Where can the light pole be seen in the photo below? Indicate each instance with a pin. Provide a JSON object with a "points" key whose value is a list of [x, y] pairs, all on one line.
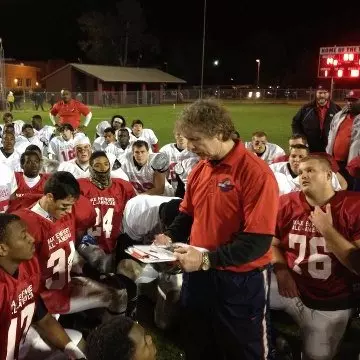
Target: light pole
{"points": [[258, 73], [203, 53]]}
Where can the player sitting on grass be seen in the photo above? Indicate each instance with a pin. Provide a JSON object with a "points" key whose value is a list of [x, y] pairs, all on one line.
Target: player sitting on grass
{"points": [[20, 304], [315, 231]]}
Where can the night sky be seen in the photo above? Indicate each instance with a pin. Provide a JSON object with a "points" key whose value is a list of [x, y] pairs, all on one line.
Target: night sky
{"points": [[286, 38]]}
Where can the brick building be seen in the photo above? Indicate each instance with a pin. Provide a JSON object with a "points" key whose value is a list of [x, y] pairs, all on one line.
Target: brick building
{"points": [[21, 76]]}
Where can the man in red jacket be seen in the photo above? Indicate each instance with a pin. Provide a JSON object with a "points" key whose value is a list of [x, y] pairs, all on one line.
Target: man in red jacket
{"points": [[69, 111]]}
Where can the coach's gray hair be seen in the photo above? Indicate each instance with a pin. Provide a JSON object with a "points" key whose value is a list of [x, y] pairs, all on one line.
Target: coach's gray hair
{"points": [[206, 116]]}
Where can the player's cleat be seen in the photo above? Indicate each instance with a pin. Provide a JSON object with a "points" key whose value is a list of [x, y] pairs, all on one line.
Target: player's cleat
{"points": [[160, 162]]}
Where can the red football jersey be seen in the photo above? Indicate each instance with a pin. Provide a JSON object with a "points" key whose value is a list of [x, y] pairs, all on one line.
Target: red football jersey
{"points": [[109, 205], [18, 296], [85, 214], [24, 202], [55, 250], [323, 282], [24, 189], [26, 196]]}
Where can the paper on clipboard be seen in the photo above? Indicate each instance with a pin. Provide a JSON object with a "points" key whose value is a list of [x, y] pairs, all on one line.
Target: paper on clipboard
{"points": [[152, 254]]}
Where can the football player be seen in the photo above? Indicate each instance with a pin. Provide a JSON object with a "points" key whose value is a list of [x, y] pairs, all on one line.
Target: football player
{"points": [[20, 304], [30, 181], [9, 120], [79, 166], [314, 285], [62, 148], [291, 169], [262, 148], [27, 138], [123, 145], [43, 132], [8, 155], [54, 226], [156, 212], [8, 186], [298, 139], [176, 152], [48, 166], [99, 131], [146, 172], [139, 133], [109, 197]]}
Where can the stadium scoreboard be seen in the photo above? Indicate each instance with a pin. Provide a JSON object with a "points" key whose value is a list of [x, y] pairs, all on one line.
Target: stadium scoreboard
{"points": [[339, 62]]}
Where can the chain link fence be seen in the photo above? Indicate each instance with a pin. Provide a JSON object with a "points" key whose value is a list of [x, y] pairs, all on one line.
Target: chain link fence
{"points": [[42, 100]]}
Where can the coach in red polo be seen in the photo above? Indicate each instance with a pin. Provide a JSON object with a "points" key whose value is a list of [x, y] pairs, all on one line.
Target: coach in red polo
{"points": [[229, 208], [69, 111]]}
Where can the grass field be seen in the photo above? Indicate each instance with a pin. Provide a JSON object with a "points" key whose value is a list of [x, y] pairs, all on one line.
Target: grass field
{"points": [[274, 119]]}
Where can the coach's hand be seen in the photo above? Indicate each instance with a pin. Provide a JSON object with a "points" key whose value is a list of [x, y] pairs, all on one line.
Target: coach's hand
{"points": [[162, 239], [286, 284], [189, 258]]}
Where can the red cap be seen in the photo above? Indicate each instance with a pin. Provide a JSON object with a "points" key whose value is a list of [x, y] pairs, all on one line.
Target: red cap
{"points": [[353, 94]]}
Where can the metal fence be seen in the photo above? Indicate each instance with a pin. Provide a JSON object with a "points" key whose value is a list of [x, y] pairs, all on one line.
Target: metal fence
{"points": [[27, 100]]}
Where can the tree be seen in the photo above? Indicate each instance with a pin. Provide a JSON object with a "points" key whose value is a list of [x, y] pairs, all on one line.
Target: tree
{"points": [[118, 37]]}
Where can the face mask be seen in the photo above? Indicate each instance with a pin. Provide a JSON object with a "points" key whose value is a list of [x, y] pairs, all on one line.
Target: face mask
{"points": [[100, 179]]}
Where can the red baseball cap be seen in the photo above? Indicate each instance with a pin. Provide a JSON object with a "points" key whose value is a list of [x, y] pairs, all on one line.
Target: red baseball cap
{"points": [[353, 94]]}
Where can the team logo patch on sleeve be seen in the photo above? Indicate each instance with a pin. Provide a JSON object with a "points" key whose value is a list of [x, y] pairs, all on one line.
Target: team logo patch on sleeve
{"points": [[226, 185]]}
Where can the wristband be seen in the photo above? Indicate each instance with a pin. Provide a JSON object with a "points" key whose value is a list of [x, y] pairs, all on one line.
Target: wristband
{"points": [[73, 352]]}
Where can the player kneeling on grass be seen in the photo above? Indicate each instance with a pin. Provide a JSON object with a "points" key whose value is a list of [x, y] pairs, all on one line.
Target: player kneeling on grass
{"points": [[316, 229], [146, 172], [20, 304], [157, 213], [121, 338]]}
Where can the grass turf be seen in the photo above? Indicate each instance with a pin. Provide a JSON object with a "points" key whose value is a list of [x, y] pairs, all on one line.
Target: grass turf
{"points": [[274, 119]]}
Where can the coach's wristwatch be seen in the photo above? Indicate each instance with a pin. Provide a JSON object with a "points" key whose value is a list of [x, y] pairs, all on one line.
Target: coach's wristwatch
{"points": [[205, 265]]}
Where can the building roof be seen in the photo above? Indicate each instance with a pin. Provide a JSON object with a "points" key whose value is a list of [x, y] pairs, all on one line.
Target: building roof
{"points": [[123, 74]]}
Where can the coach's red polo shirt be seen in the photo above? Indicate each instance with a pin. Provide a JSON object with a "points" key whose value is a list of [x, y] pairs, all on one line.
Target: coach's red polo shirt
{"points": [[71, 112], [238, 194]]}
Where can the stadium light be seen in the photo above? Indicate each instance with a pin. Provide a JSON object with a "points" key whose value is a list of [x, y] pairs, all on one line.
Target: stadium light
{"points": [[258, 73]]}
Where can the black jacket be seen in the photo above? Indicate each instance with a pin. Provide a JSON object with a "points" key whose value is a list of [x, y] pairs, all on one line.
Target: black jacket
{"points": [[306, 122]]}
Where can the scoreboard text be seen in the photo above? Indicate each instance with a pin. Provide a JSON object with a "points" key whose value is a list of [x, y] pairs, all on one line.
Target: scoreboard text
{"points": [[339, 62]]}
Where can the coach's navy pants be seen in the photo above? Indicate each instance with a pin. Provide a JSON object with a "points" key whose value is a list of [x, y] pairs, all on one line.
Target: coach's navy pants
{"points": [[225, 315]]}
